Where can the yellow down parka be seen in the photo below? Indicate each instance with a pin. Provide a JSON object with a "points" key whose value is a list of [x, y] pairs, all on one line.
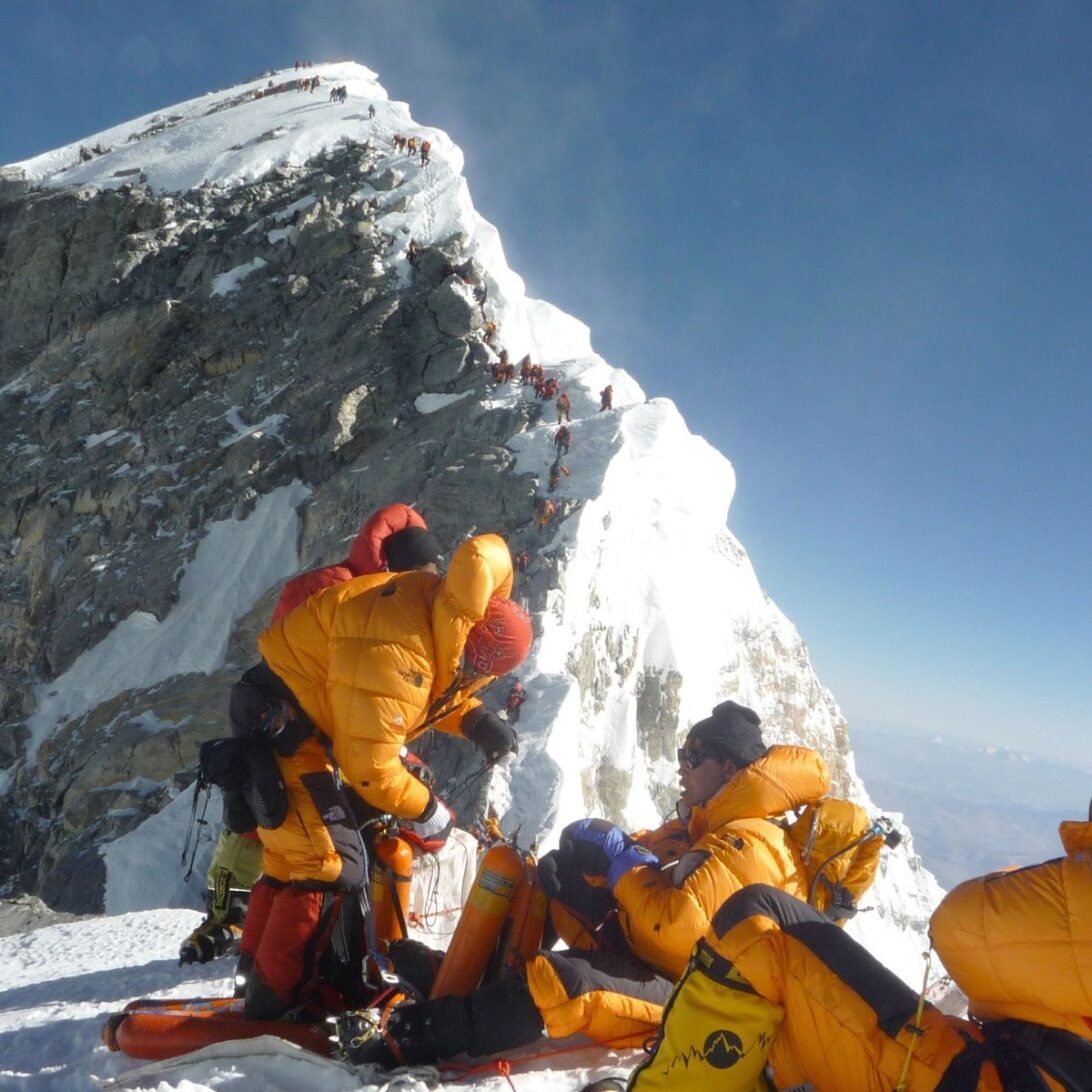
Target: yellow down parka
{"points": [[733, 842], [1019, 943], [374, 666]]}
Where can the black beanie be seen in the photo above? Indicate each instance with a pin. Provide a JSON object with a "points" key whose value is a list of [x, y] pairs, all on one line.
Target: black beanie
{"points": [[410, 547], [731, 731]]}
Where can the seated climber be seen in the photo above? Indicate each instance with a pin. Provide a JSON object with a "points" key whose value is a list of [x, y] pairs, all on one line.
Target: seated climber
{"points": [[629, 921], [774, 981]]}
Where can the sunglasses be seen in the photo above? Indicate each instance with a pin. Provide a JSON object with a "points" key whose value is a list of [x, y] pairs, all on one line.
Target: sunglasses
{"points": [[691, 758]]}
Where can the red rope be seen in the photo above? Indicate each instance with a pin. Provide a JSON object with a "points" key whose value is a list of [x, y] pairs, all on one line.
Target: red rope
{"points": [[416, 920], [504, 1067], [500, 1066]]}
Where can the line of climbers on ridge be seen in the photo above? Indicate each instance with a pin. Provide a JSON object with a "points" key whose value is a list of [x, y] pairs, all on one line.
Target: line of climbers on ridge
{"points": [[410, 146], [714, 937], [546, 388]]}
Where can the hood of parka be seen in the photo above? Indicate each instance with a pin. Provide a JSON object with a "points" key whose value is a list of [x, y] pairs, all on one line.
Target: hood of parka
{"points": [[785, 777]]}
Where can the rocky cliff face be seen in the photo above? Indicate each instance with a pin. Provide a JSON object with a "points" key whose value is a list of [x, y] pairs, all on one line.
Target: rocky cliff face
{"points": [[141, 401], [177, 366]]}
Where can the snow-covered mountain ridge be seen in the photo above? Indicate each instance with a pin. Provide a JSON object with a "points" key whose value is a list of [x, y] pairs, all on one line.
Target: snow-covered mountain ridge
{"points": [[256, 335]]}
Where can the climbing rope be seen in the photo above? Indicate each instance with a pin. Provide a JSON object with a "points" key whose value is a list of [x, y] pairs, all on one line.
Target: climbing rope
{"points": [[503, 1066], [915, 1029]]}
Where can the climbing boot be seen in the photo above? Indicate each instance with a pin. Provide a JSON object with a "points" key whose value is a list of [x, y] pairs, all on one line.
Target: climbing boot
{"points": [[499, 1017], [209, 941]]}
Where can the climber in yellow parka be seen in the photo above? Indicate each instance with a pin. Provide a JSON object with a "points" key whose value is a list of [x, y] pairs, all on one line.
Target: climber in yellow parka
{"points": [[774, 981], [632, 908]]}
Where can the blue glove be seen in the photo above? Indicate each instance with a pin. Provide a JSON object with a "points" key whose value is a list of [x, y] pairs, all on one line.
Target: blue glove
{"points": [[601, 849]]}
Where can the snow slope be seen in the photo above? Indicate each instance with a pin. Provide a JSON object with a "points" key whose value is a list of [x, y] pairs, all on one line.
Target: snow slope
{"points": [[59, 983]]}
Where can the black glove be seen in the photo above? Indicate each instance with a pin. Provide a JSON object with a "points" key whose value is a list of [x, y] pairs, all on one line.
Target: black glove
{"points": [[494, 737], [550, 875]]}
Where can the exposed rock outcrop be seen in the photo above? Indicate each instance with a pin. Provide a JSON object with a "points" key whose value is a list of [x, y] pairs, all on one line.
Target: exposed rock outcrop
{"points": [[164, 361]]}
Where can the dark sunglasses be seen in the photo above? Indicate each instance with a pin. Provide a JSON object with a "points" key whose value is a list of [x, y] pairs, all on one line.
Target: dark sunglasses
{"points": [[691, 758]]}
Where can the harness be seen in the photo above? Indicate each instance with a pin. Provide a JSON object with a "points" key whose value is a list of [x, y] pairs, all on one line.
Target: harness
{"points": [[1022, 1052]]}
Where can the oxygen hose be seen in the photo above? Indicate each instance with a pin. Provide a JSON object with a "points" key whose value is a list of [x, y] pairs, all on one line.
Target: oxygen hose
{"points": [[881, 828]]}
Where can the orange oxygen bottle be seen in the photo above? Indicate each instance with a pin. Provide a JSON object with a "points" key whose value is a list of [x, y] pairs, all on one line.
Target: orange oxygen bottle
{"points": [[521, 936], [475, 938], [532, 924], [391, 877]]}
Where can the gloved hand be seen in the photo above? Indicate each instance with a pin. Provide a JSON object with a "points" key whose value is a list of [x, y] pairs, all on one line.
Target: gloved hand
{"points": [[494, 737], [430, 829], [601, 849], [550, 874]]}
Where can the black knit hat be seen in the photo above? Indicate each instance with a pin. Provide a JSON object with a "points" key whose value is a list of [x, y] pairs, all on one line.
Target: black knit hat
{"points": [[410, 547], [731, 732]]}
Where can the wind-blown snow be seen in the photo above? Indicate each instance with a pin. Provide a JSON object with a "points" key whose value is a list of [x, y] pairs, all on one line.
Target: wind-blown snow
{"points": [[235, 562], [652, 586]]}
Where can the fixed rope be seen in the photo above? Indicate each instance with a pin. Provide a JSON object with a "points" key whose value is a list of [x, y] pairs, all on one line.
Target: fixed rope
{"points": [[916, 1030]]}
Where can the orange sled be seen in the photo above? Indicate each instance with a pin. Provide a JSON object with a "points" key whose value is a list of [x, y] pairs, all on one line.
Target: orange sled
{"points": [[155, 1029]]}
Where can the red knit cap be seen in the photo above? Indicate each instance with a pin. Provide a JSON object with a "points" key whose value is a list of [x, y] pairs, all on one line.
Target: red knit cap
{"points": [[499, 643]]}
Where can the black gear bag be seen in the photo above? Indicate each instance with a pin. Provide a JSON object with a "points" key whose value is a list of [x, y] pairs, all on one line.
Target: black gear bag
{"points": [[246, 772]]}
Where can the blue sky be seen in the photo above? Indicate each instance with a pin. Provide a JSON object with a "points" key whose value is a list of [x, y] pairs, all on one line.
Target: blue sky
{"points": [[852, 241]]}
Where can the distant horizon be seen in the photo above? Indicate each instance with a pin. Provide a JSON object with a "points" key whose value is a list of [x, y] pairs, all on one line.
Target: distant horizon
{"points": [[851, 243], [868, 726]]}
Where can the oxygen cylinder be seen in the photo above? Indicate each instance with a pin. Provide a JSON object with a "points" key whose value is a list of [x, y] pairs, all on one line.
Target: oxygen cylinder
{"points": [[532, 923], [521, 936], [475, 938], [391, 876]]}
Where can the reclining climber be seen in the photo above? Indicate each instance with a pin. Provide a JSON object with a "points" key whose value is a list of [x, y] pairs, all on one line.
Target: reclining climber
{"points": [[629, 920], [346, 679], [394, 539], [772, 980]]}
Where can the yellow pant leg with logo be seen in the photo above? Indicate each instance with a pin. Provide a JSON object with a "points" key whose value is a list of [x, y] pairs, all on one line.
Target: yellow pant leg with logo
{"points": [[773, 977], [716, 1035]]}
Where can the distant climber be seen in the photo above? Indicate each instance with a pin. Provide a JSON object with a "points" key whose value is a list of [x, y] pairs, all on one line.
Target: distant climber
{"points": [[523, 559], [564, 408], [512, 704], [606, 398], [426, 151], [413, 251], [411, 145], [371, 111], [562, 439], [546, 512], [557, 468]]}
